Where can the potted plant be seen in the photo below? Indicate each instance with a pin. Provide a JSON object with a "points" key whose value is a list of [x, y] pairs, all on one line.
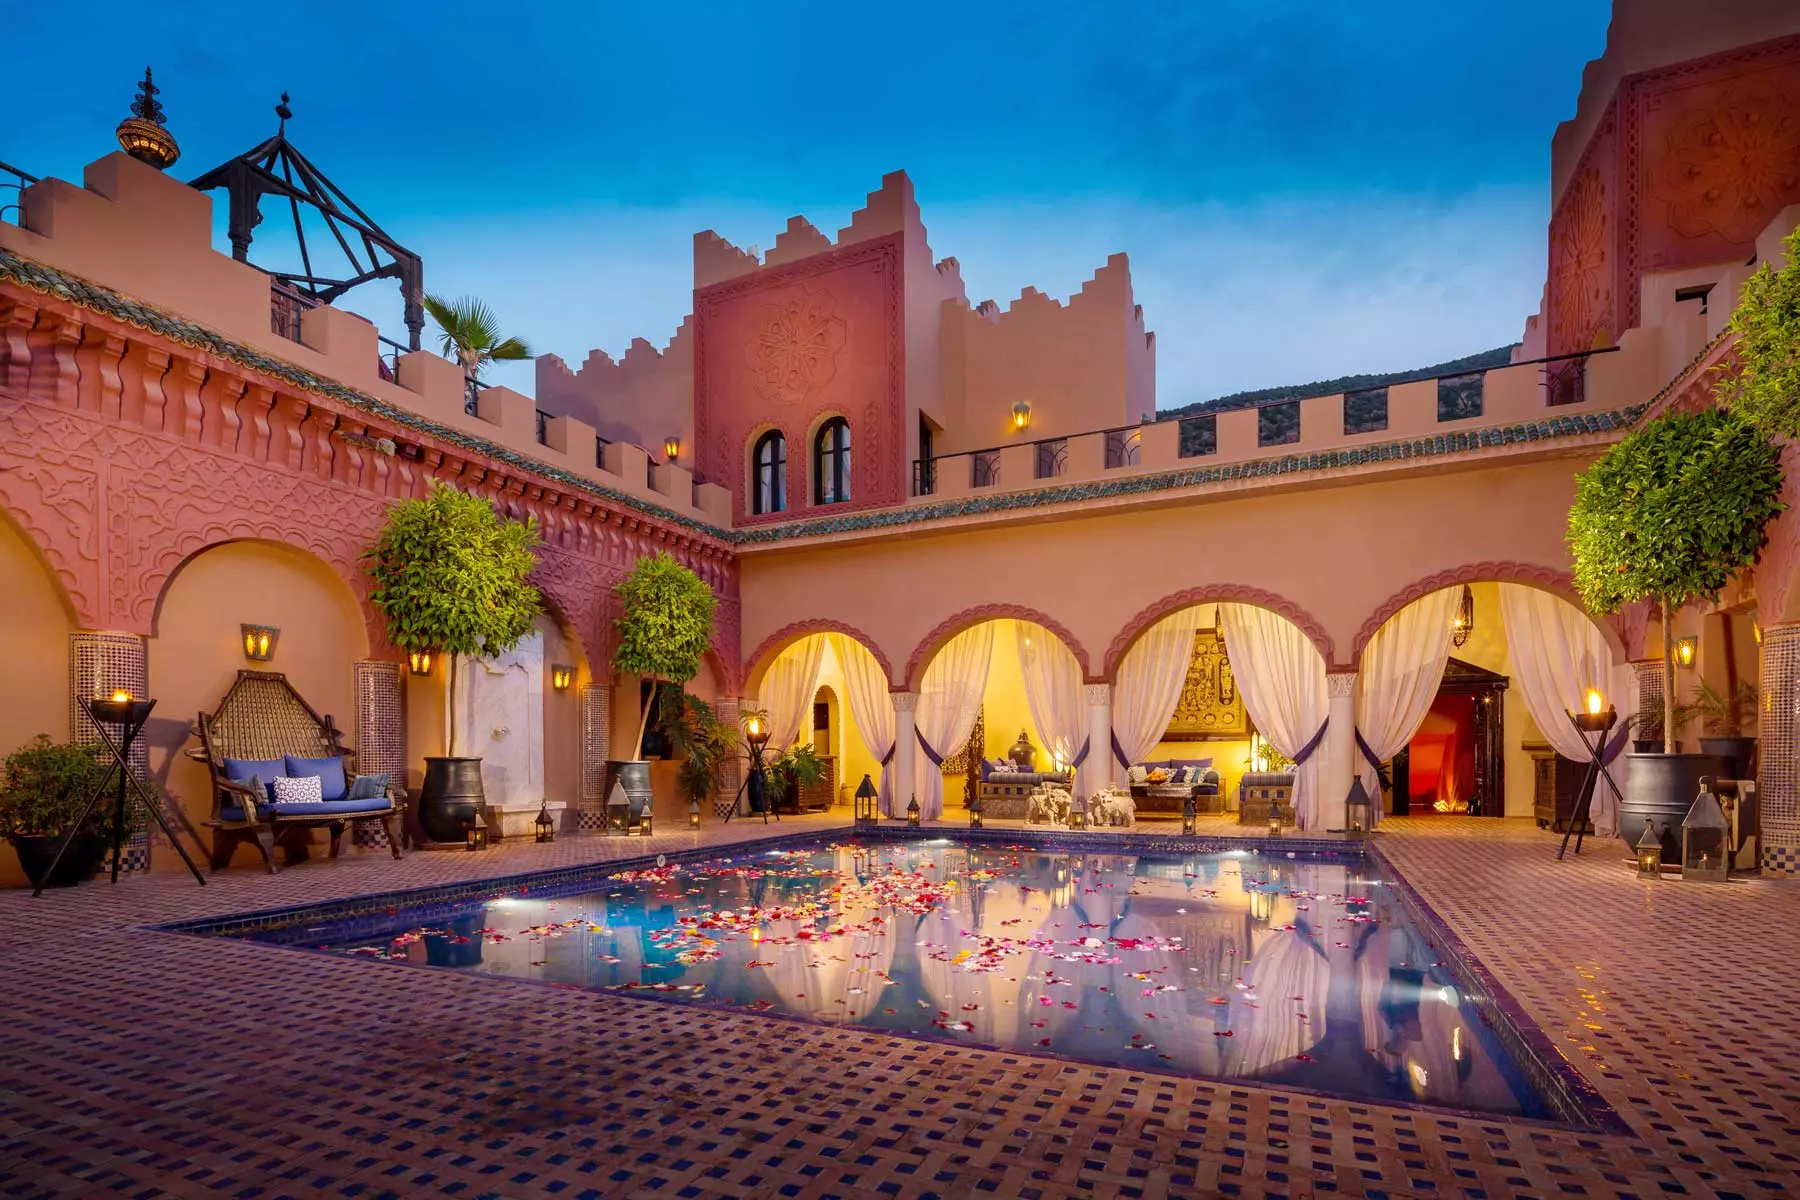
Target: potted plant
{"points": [[1669, 515], [702, 743], [1647, 732], [449, 577], [1728, 724], [665, 625], [796, 767], [43, 787], [470, 333]]}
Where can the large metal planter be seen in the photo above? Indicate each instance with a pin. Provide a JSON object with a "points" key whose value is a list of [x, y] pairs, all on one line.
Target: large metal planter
{"points": [[1660, 788], [450, 798]]}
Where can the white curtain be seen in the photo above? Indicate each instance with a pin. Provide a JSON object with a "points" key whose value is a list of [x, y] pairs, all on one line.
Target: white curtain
{"points": [[1281, 676], [788, 689], [1557, 655], [1149, 686], [1397, 681], [949, 700], [871, 706], [1053, 690]]}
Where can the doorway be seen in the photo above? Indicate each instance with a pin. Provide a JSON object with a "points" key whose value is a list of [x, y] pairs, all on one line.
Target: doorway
{"points": [[1456, 762]]}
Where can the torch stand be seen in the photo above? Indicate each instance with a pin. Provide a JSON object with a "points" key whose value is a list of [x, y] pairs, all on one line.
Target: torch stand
{"points": [[1597, 724], [757, 782], [129, 716]]}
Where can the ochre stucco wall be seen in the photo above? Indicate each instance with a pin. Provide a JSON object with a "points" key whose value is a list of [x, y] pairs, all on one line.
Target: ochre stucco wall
{"points": [[197, 650], [34, 659]]}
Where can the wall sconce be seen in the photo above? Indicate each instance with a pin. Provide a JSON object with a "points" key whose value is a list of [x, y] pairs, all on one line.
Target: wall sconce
{"points": [[1021, 416], [1685, 650], [259, 642], [419, 662], [672, 447], [561, 676], [1464, 621]]}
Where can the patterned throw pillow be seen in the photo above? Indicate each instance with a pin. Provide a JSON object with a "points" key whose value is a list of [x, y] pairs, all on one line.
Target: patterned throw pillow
{"points": [[367, 787], [1138, 773], [304, 790]]}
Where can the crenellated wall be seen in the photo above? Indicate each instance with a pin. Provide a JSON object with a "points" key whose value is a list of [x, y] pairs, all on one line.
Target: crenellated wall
{"points": [[640, 399]]}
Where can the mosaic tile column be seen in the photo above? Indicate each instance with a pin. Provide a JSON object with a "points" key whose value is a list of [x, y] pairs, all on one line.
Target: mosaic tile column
{"points": [[727, 709], [1778, 750], [596, 748], [99, 665], [380, 737]]}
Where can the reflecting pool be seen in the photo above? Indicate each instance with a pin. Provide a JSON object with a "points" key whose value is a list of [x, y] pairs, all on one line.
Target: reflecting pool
{"points": [[1288, 972]]}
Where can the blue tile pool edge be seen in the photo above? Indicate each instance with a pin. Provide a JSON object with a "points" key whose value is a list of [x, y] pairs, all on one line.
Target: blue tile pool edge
{"points": [[1576, 1103]]}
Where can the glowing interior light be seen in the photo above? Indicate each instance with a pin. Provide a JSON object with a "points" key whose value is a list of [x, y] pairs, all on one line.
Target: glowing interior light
{"points": [[1421, 1079]]}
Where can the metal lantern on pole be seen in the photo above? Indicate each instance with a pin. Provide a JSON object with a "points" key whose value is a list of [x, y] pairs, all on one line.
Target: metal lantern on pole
{"points": [[1705, 839], [693, 814], [868, 802]]}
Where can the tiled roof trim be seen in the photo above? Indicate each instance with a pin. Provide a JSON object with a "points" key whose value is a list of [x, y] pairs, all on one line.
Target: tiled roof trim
{"points": [[1437, 446], [40, 278]]}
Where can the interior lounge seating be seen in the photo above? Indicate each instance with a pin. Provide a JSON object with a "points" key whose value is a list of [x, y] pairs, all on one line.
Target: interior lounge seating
{"points": [[279, 768]]}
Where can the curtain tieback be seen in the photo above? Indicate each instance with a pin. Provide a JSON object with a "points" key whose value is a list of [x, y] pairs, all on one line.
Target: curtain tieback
{"points": [[937, 760], [1615, 744], [1312, 744], [1081, 754], [1368, 751], [889, 756]]}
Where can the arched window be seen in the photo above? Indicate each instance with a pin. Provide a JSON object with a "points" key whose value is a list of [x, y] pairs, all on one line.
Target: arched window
{"points": [[831, 463], [768, 491]]}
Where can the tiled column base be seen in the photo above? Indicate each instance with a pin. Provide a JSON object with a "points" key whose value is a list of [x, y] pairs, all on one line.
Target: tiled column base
{"points": [[380, 737], [100, 664], [727, 709], [1778, 752], [596, 748]]}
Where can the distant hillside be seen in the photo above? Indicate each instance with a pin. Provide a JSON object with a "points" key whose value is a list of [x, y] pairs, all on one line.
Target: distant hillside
{"points": [[1486, 360]]}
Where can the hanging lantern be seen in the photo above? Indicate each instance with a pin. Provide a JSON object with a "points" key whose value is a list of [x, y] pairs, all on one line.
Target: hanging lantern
{"points": [[476, 835], [545, 823], [1705, 838], [693, 814], [419, 662], [1463, 623], [259, 641], [868, 802], [1649, 853], [912, 812]]}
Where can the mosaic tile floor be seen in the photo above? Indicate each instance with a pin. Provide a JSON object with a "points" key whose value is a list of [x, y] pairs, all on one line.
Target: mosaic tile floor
{"points": [[148, 1064]]}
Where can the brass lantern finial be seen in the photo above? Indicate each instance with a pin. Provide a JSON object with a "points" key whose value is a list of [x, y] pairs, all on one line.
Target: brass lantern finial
{"points": [[142, 135]]}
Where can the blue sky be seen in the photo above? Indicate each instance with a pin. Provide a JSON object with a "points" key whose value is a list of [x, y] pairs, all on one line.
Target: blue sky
{"points": [[1305, 190]]}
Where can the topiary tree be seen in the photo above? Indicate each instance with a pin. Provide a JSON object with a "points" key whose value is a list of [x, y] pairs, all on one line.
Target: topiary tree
{"points": [[1765, 386], [449, 576], [1669, 515], [666, 624]]}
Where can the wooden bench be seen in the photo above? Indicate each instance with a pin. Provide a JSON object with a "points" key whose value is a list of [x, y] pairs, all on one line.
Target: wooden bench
{"points": [[259, 724]]}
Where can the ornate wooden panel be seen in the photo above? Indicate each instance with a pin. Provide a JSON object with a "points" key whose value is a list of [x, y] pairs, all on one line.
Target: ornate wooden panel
{"points": [[1210, 706]]}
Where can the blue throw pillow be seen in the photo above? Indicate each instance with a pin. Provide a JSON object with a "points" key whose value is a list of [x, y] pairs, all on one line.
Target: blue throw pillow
{"points": [[368, 787], [240, 770], [329, 770]]}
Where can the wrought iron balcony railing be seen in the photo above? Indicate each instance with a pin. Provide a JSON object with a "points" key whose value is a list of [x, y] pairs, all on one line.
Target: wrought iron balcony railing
{"points": [[1052, 458], [924, 476], [984, 468], [13, 183]]}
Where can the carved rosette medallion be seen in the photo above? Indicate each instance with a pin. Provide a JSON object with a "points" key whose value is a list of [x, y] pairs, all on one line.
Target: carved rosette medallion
{"points": [[1727, 166], [794, 351]]}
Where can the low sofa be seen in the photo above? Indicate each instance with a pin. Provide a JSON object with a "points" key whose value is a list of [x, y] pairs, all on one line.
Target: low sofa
{"points": [[1004, 790], [1161, 788], [1265, 796]]}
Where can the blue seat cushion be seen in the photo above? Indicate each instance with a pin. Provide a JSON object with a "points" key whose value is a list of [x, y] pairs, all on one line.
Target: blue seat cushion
{"points": [[329, 770], [328, 808], [239, 770]]}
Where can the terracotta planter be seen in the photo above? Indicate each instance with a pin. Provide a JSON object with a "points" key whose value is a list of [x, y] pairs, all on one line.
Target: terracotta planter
{"points": [[450, 798]]}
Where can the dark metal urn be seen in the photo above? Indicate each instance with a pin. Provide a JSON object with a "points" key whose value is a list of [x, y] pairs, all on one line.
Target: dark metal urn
{"points": [[450, 798], [635, 778], [1660, 788], [1738, 753], [36, 853]]}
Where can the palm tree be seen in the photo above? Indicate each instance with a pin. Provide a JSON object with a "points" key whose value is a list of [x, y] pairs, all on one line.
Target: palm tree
{"points": [[472, 335]]}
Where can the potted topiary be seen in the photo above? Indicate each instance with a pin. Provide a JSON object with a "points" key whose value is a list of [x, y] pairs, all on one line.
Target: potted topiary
{"points": [[1728, 724], [42, 790], [449, 577], [665, 625], [1669, 515]]}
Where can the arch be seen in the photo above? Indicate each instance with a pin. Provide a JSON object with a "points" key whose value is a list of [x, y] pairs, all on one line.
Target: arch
{"points": [[1545, 579], [757, 664], [768, 473], [830, 465], [928, 647], [1227, 593], [34, 641], [339, 560]]}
